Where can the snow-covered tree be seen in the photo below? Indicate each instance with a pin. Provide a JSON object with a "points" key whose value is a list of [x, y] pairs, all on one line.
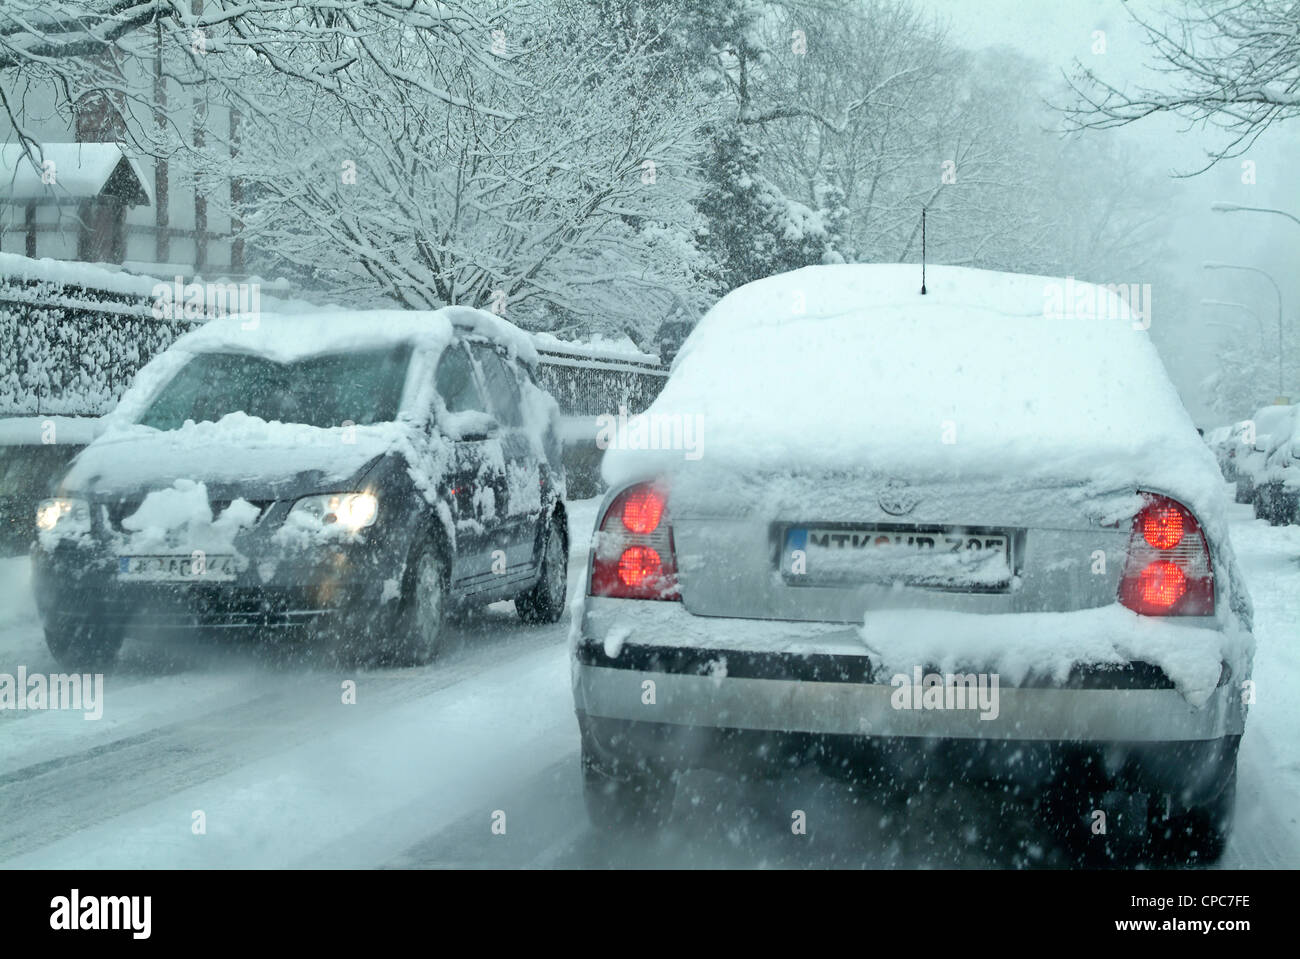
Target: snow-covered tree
{"points": [[509, 154], [1240, 383], [752, 226], [1234, 64], [753, 229]]}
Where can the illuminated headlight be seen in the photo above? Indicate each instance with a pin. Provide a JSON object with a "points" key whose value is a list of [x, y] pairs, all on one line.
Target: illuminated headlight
{"points": [[352, 511], [65, 515]]}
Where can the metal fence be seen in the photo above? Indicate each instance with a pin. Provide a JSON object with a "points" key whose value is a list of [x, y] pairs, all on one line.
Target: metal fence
{"points": [[73, 350]]}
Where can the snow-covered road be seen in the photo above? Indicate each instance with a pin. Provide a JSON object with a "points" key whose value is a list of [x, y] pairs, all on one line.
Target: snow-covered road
{"points": [[281, 772]]}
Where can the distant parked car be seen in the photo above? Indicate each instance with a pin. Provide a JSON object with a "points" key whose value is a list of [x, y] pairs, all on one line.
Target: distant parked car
{"points": [[1217, 440], [1272, 426], [345, 476], [1232, 448], [1277, 496], [911, 550]]}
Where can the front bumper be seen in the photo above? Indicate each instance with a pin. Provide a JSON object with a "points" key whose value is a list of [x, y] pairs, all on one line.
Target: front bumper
{"points": [[75, 585]]}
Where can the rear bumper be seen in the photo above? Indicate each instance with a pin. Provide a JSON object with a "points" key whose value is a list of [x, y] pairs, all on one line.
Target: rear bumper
{"points": [[870, 709], [670, 701]]}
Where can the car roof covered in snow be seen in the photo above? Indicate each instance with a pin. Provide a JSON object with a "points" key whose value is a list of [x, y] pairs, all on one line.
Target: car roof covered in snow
{"points": [[989, 373], [285, 337], [1276, 421]]}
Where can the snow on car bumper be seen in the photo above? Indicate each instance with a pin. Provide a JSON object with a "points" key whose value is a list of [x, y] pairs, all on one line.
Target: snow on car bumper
{"points": [[818, 678]]}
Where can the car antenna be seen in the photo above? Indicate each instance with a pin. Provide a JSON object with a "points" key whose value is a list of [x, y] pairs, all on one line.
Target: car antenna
{"points": [[923, 251]]}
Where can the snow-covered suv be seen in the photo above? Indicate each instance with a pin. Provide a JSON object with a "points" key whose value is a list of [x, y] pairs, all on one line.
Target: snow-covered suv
{"points": [[349, 475], [966, 535]]}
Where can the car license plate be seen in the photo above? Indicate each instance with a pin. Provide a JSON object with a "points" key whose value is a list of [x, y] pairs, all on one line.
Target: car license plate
{"points": [[952, 558], [182, 567]]}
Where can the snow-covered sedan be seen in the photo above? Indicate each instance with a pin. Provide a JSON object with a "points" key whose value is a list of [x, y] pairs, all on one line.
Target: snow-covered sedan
{"points": [[970, 535], [348, 476]]}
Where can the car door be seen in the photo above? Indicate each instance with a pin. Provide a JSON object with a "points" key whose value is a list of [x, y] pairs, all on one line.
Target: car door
{"points": [[477, 484], [522, 462]]}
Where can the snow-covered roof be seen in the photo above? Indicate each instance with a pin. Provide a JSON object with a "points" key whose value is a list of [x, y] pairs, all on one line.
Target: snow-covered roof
{"points": [[833, 367], [285, 337], [80, 170], [596, 347], [1275, 419]]}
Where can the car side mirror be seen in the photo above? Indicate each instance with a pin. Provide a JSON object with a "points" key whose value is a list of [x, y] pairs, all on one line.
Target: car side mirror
{"points": [[473, 426]]}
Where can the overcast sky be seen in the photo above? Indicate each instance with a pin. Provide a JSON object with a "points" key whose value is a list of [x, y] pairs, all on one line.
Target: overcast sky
{"points": [[1059, 31]]}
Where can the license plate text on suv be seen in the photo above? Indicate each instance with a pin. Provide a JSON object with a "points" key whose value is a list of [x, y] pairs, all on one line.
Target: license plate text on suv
{"points": [[178, 568]]}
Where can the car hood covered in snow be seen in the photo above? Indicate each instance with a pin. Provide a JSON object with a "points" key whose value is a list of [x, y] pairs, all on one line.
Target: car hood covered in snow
{"points": [[1026, 380], [243, 454]]}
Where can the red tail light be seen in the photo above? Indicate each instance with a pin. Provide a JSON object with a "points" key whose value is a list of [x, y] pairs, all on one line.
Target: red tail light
{"points": [[1162, 525], [1168, 570], [634, 547], [642, 510]]}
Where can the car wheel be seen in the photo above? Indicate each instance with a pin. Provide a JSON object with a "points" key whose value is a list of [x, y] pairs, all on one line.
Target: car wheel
{"points": [[634, 801], [423, 615], [1198, 834], [82, 647], [544, 603]]}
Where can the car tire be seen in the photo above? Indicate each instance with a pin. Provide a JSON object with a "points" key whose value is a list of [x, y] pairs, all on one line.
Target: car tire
{"points": [[1198, 834], [422, 616], [83, 647], [544, 602], [634, 801]]}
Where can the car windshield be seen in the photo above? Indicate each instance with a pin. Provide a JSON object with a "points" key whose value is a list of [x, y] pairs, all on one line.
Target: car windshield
{"points": [[326, 390]]}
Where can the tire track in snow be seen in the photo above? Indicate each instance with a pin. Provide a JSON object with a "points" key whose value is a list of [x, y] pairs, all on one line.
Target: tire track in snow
{"points": [[55, 799], [350, 794]]}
